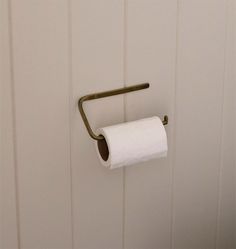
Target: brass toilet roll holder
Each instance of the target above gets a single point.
(108, 94)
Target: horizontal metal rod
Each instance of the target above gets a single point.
(108, 94)
(114, 92)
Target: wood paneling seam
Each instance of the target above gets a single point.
(125, 28)
(71, 105)
(174, 123)
(219, 194)
(11, 54)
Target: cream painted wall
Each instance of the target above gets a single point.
(54, 192)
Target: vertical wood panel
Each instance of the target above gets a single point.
(8, 205)
(40, 46)
(97, 64)
(198, 126)
(2, 37)
(234, 79)
(151, 41)
(1, 172)
(226, 208)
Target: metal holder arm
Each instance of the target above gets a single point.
(108, 94)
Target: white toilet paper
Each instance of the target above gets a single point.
(132, 142)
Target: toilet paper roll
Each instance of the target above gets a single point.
(132, 142)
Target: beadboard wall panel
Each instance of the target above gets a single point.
(199, 105)
(150, 58)
(226, 205)
(40, 61)
(97, 65)
(8, 196)
(54, 191)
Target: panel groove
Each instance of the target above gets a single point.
(14, 122)
(9, 224)
(226, 209)
(174, 126)
(125, 13)
(71, 105)
(221, 128)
